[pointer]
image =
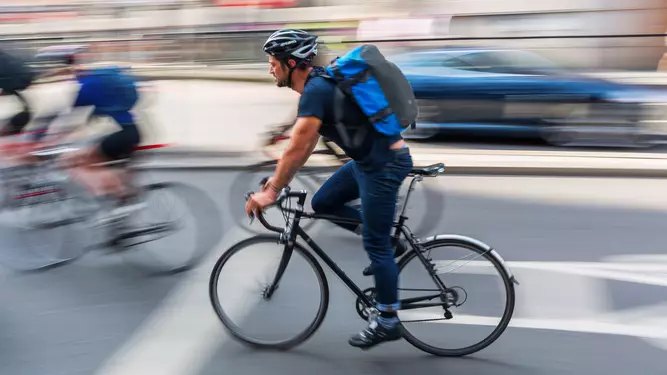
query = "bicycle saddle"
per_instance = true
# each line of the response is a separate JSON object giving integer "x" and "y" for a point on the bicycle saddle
{"x": 431, "y": 170}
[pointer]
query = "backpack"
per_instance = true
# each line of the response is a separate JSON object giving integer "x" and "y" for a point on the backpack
{"x": 378, "y": 87}
{"x": 15, "y": 74}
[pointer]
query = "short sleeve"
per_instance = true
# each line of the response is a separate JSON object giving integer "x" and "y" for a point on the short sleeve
{"x": 315, "y": 98}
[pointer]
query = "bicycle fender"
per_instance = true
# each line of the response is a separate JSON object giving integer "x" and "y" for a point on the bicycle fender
{"x": 478, "y": 243}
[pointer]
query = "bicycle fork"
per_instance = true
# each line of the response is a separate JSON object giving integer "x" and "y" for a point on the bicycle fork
{"x": 288, "y": 238}
{"x": 284, "y": 260}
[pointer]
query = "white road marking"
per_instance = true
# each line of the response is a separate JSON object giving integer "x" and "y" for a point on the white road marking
{"x": 184, "y": 333}
{"x": 182, "y": 336}
{"x": 597, "y": 326}
{"x": 571, "y": 296}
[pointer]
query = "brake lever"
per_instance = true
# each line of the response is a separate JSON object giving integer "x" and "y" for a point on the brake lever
{"x": 251, "y": 215}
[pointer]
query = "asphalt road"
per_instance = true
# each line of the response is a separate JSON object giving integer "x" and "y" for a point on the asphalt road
{"x": 589, "y": 254}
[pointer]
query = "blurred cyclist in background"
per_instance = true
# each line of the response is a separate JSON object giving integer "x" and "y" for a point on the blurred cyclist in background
{"x": 104, "y": 91}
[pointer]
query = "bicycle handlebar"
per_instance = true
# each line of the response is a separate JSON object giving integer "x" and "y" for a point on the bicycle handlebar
{"x": 284, "y": 193}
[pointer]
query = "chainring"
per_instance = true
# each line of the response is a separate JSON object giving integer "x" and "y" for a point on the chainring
{"x": 362, "y": 310}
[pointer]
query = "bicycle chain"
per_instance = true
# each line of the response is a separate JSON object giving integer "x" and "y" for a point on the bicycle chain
{"x": 422, "y": 320}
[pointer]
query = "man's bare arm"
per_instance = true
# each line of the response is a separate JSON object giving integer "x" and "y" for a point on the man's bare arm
{"x": 302, "y": 143}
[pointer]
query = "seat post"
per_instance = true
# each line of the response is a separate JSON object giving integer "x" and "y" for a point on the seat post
{"x": 415, "y": 179}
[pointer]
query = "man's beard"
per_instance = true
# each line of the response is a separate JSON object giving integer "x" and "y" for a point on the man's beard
{"x": 281, "y": 82}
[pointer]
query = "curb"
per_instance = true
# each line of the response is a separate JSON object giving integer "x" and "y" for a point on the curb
{"x": 184, "y": 159}
{"x": 450, "y": 171}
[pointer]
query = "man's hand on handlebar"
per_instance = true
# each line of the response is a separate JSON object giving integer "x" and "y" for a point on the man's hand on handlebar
{"x": 257, "y": 202}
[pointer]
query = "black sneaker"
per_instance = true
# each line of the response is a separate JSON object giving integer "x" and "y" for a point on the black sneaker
{"x": 375, "y": 334}
{"x": 399, "y": 249}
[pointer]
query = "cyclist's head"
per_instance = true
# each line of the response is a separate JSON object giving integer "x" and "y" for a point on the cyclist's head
{"x": 290, "y": 49}
{"x": 61, "y": 57}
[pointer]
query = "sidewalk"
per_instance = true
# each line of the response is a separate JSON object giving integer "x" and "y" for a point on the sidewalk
{"x": 456, "y": 163}
{"x": 218, "y": 124}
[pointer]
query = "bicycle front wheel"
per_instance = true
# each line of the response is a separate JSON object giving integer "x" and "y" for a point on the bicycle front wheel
{"x": 478, "y": 287}
{"x": 239, "y": 290}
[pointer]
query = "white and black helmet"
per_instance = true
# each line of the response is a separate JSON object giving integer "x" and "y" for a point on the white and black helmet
{"x": 292, "y": 43}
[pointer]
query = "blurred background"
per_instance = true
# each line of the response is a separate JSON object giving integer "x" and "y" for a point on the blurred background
{"x": 550, "y": 115}
{"x": 566, "y": 57}
{"x": 600, "y": 34}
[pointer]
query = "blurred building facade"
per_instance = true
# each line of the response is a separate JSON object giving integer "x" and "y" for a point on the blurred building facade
{"x": 232, "y": 30}
{"x": 562, "y": 19}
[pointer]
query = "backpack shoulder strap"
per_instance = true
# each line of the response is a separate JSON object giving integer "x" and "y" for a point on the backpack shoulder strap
{"x": 338, "y": 108}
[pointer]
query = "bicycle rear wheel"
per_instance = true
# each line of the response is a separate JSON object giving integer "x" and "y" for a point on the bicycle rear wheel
{"x": 466, "y": 267}
{"x": 264, "y": 259}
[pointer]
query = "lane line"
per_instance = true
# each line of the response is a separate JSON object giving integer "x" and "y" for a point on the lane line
{"x": 182, "y": 334}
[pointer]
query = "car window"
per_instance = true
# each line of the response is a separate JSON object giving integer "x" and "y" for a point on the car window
{"x": 431, "y": 61}
{"x": 508, "y": 62}
{"x": 481, "y": 61}
{"x": 456, "y": 63}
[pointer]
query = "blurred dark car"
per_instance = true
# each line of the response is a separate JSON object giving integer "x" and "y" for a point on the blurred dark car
{"x": 520, "y": 94}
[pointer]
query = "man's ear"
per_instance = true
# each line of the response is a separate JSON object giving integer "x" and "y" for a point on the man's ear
{"x": 291, "y": 63}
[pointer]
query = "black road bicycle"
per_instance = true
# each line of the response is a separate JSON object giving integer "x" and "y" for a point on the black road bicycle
{"x": 443, "y": 295}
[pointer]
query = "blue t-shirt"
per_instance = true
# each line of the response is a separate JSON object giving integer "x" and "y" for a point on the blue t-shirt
{"x": 110, "y": 91}
{"x": 317, "y": 100}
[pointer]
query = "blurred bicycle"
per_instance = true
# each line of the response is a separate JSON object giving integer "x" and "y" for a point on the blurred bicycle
{"x": 51, "y": 220}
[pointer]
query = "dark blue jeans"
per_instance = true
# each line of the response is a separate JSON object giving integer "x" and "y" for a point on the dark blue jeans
{"x": 378, "y": 190}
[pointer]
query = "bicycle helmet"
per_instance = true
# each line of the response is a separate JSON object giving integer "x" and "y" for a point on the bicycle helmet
{"x": 294, "y": 44}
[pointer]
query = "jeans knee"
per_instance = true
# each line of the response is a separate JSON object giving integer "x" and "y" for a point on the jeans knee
{"x": 379, "y": 253}
{"x": 319, "y": 204}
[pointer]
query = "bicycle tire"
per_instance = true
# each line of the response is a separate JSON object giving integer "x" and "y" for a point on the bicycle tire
{"x": 232, "y": 328}
{"x": 207, "y": 223}
{"x": 509, "y": 290}
{"x": 249, "y": 180}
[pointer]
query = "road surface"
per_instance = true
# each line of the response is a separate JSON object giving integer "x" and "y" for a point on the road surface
{"x": 589, "y": 254}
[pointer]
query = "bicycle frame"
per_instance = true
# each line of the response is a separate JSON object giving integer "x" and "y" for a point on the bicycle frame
{"x": 292, "y": 230}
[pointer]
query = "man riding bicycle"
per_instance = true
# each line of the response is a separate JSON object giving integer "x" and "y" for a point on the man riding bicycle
{"x": 375, "y": 173}
{"x": 104, "y": 91}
